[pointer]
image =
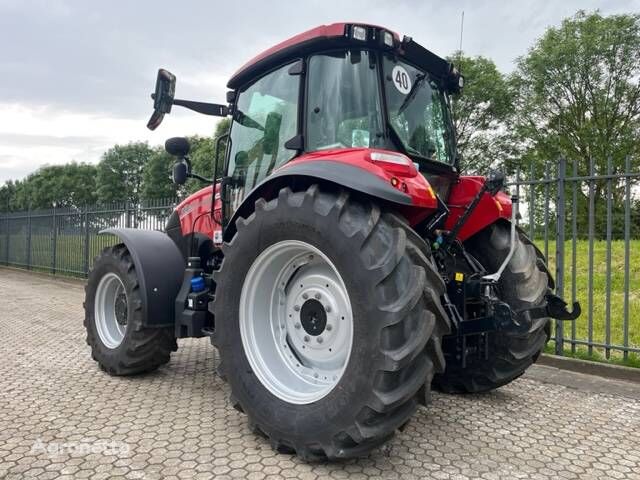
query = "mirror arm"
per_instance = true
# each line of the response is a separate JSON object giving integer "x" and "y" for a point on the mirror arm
{"x": 213, "y": 109}
{"x": 199, "y": 177}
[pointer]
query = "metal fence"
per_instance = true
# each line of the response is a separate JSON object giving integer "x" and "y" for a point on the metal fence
{"x": 66, "y": 240}
{"x": 588, "y": 227}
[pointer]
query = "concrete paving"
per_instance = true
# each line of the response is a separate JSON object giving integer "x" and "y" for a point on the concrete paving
{"x": 61, "y": 417}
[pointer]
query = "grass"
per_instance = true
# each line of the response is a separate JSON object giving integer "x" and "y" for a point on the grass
{"x": 598, "y": 320}
{"x": 71, "y": 261}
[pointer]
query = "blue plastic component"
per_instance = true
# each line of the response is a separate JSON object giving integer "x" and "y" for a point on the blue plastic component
{"x": 197, "y": 284}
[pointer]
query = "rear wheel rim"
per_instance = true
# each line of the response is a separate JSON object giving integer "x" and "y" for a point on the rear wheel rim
{"x": 111, "y": 310}
{"x": 296, "y": 322}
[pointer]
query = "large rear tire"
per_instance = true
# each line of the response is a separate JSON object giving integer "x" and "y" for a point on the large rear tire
{"x": 320, "y": 392}
{"x": 523, "y": 285}
{"x": 113, "y": 318}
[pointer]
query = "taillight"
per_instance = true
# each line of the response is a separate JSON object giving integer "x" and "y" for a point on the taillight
{"x": 396, "y": 163}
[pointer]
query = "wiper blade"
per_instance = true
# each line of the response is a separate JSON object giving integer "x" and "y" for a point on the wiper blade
{"x": 420, "y": 77}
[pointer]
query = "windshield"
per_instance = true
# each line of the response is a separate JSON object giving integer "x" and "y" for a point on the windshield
{"x": 343, "y": 106}
{"x": 417, "y": 111}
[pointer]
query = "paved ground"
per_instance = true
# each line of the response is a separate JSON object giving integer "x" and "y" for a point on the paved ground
{"x": 60, "y": 417}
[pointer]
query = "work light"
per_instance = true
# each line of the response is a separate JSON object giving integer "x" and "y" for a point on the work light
{"x": 359, "y": 33}
{"x": 388, "y": 39}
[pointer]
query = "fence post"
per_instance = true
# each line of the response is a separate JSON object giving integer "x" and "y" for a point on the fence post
{"x": 54, "y": 239}
{"x": 547, "y": 184}
{"x": 531, "y": 203}
{"x": 607, "y": 300}
{"x": 560, "y": 220}
{"x": 86, "y": 240}
{"x": 592, "y": 210}
{"x": 574, "y": 255}
{"x": 127, "y": 214}
{"x": 518, "y": 190}
{"x": 29, "y": 238}
{"x": 8, "y": 238}
{"x": 627, "y": 255}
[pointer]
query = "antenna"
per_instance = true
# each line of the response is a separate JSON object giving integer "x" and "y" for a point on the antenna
{"x": 461, "y": 31}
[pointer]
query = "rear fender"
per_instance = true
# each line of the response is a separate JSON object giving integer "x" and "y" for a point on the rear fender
{"x": 490, "y": 209}
{"x": 415, "y": 204}
{"x": 160, "y": 269}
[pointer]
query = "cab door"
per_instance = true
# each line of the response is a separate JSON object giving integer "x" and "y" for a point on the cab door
{"x": 265, "y": 117}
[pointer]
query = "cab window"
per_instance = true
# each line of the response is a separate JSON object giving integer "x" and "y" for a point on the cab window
{"x": 264, "y": 119}
{"x": 343, "y": 104}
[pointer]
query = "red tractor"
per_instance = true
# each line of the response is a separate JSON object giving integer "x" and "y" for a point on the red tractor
{"x": 341, "y": 264}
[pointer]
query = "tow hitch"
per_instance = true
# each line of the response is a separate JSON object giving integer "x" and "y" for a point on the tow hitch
{"x": 555, "y": 308}
{"x": 491, "y": 314}
{"x": 477, "y": 313}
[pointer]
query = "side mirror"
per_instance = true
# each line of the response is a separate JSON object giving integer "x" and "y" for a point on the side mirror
{"x": 180, "y": 173}
{"x": 495, "y": 182}
{"x": 162, "y": 97}
{"x": 177, "y": 146}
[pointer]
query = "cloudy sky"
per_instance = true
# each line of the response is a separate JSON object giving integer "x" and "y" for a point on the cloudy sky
{"x": 75, "y": 76}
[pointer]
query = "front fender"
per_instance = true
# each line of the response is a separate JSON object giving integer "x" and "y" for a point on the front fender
{"x": 159, "y": 268}
{"x": 489, "y": 210}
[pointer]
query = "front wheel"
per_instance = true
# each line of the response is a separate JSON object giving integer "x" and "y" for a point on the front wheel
{"x": 331, "y": 322}
{"x": 114, "y": 321}
{"x": 523, "y": 285}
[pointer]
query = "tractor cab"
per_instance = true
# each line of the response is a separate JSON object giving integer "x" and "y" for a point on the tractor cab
{"x": 339, "y": 87}
{"x": 356, "y": 96}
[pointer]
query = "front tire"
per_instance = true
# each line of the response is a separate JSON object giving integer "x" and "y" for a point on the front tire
{"x": 113, "y": 318}
{"x": 385, "y": 307}
{"x": 523, "y": 285}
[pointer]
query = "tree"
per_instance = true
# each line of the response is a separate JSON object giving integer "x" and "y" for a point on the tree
{"x": 120, "y": 173}
{"x": 203, "y": 154}
{"x": 156, "y": 178}
{"x": 71, "y": 185}
{"x": 8, "y": 196}
{"x": 480, "y": 114}
{"x": 578, "y": 95}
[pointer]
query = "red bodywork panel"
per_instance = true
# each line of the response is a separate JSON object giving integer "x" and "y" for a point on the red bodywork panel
{"x": 409, "y": 181}
{"x": 195, "y": 214}
{"x": 194, "y": 211}
{"x": 489, "y": 210}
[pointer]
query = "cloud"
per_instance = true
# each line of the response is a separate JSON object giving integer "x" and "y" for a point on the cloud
{"x": 31, "y": 137}
{"x": 75, "y": 77}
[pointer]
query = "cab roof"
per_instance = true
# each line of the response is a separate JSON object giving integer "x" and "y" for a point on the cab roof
{"x": 339, "y": 35}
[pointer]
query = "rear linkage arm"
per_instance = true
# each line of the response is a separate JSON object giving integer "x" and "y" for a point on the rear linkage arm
{"x": 497, "y": 315}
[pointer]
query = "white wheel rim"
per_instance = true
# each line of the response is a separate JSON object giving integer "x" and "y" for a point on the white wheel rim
{"x": 110, "y": 310}
{"x": 296, "y": 322}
